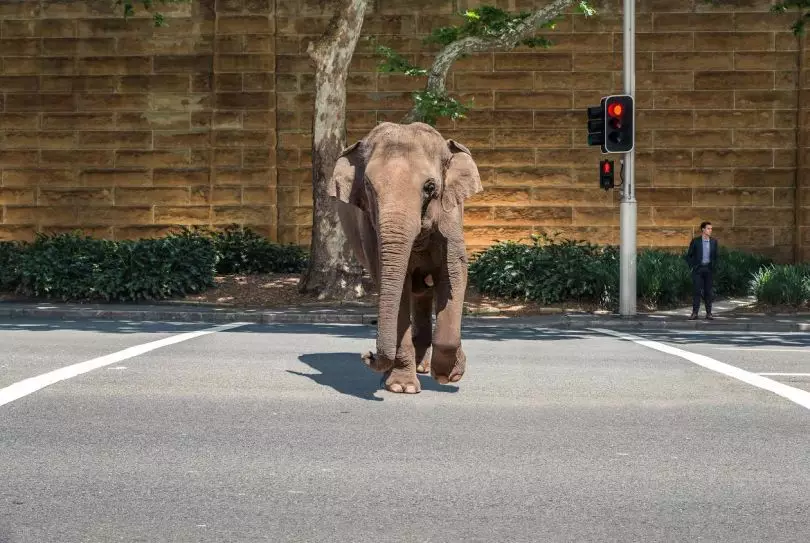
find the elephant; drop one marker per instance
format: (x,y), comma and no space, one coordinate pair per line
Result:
(400,195)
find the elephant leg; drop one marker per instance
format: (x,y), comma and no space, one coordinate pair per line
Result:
(422,311)
(402,377)
(448,361)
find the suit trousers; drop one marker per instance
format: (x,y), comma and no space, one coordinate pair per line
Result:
(702,284)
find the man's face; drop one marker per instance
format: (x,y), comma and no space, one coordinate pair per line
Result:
(708,230)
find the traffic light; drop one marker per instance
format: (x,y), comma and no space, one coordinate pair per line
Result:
(596,125)
(606,174)
(610,124)
(619,129)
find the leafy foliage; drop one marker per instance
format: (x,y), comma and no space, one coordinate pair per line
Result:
(10,253)
(803,6)
(782,285)
(486,22)
(72,267)
(553,271)
(241,250)
(662,279)
(548,271)
(393,62)
(735,270)
(482,22)
(430,106)
(158,18)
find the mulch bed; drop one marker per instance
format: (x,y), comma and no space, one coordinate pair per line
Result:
(273,291)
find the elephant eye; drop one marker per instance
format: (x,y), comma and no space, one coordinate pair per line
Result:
(430,187)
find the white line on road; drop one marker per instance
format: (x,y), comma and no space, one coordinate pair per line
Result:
(762,349)
(785,374)
(31,385)
(801,397)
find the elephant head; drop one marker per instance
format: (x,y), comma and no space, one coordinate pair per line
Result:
(404,181)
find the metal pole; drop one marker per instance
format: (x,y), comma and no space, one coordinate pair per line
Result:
(627,278)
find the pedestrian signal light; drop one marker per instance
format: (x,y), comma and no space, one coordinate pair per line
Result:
(606,174)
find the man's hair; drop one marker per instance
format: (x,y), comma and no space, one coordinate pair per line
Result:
(704,224)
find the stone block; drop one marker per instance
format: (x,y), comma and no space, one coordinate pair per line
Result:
(39,177)
(17,196)
(106,139)
(42,215)
(152,159)
(75,157)
(151,195)
(707,197)
(80,197)
(182,214)
(535,215)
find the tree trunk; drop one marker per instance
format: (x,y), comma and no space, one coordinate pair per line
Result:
(334,273)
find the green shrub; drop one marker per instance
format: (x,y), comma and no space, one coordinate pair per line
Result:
(662,279)
(735,270)
(241,250)
(10,253)
(782,285)
(552,271)
(548,271)
(71,267)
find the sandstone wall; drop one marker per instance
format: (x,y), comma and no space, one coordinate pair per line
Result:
(125,130)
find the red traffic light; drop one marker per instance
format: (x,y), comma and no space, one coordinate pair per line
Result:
(606,167)
(615,110)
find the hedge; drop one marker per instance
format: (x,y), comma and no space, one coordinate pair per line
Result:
(74,267)
(550,270)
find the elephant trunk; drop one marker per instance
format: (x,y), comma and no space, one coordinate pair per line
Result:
(397,234)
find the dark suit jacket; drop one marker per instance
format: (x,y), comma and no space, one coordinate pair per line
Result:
(694,256)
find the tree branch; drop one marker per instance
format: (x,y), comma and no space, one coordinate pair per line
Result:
(437,76)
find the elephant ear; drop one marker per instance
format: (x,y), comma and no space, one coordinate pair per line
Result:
(346,183)
(461,179)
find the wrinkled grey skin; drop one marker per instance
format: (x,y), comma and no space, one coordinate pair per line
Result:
(400,194)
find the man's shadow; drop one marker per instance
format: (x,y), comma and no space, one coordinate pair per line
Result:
(346,373)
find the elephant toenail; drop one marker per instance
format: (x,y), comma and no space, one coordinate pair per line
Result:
(396,388)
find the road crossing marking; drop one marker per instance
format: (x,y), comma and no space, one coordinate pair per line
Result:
(798,396)
(770,350)
(23,388)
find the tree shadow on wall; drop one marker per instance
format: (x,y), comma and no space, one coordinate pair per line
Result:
(346,373)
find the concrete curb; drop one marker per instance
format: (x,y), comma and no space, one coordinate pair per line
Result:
(345,316)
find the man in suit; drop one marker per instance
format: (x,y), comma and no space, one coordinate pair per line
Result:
(702,259)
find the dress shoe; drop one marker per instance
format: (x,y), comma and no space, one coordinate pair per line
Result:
(693,317)
(709,317)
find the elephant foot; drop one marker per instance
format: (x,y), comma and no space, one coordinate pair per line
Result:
(377,363)
(403,381)
(448,365)
(424,365)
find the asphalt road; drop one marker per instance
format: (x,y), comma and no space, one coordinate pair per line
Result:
(279,433)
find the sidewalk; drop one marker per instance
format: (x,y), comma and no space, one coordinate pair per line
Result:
(674,319)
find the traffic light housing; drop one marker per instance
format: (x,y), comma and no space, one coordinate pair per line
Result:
(619,126)
(596,125)
(606,174)
(610,124)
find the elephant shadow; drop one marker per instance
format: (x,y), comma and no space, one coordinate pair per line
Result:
(346,373)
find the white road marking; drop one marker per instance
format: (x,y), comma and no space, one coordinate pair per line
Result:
(776,350)
(31,385)
(798,396)
(785,374)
